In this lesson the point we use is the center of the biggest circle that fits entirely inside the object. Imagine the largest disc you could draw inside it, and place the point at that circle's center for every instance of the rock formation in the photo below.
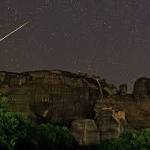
(85, 131)
(110, 122)
(142, 88)
(54, 94)
(95, 109)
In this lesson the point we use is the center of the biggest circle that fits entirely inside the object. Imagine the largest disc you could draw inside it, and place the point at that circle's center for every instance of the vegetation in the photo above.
(16, 132)
(132, 140)
(13, 126)
(54, 137)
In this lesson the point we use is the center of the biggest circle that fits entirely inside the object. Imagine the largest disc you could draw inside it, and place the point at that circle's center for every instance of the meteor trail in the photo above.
(9, 34)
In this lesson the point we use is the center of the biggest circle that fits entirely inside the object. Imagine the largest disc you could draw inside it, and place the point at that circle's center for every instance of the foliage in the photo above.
(13, 126)
(4, 107)
(131, 140)
(54, 137)
(16, 132)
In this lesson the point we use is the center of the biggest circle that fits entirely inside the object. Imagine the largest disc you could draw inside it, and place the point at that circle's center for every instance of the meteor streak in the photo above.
(9, 34)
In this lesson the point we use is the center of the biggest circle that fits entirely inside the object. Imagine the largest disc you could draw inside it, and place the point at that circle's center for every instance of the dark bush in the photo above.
(16, 132)
(132, 140)
(54, 137)
(13, 126)
(26, 144)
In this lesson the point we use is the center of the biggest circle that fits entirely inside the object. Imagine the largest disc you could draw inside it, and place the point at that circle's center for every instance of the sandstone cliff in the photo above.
(53, 94)
(86, 100)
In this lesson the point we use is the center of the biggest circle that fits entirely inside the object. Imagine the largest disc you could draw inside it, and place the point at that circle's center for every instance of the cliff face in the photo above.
(60, 95)
(52, 94)
(110, 122)
(85, 131)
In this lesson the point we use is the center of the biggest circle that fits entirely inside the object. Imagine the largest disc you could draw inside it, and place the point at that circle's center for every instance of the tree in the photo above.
(54, 137)
(13, 125)
(17, 132)
(131, 140)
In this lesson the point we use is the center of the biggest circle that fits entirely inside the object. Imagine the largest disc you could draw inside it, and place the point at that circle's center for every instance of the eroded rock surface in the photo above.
(53, 95)
(85, 131)
(60, 95)
(110, 122)
(142, 88)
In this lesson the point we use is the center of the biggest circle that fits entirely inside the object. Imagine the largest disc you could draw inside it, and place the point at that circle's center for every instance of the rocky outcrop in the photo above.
(97, 110)
(137, 113)
(110, 123)
(142, 88)
(52, 95)
(85, 131)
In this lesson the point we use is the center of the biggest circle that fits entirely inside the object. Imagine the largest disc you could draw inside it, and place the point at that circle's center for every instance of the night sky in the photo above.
(107, 37)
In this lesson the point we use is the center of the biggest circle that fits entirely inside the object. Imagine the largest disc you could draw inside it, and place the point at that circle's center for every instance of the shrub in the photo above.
(13, 125)
(16, 132)
(131, 140)
(54, 137)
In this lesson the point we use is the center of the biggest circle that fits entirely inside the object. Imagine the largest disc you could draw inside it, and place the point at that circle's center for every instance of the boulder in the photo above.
(85, 131)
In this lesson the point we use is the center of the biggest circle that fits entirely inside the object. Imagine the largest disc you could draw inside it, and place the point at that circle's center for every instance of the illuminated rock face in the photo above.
(85, 131)
(107, 124)
(54, 95)
(110, 123)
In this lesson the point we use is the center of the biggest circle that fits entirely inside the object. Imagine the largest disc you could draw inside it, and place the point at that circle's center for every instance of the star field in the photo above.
(107, 37)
